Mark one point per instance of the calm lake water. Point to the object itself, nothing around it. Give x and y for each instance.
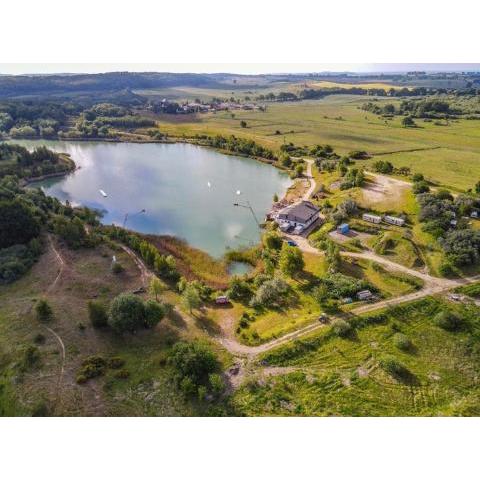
(186, 191)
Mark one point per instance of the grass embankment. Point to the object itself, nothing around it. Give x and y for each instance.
(329, 375)
(192, 263)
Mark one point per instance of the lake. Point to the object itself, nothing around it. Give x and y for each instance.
(186, 191)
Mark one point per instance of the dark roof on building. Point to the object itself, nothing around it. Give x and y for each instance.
(300, 212)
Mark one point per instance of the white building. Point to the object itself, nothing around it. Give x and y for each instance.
(301, 215)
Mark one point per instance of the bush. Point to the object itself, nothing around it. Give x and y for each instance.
(31, 357)
(216, 383)
(395, 368)
(93, 366)
(448, 321)
(239, 289)
(341, 328)
(122, 374)
(402, 342)
(420, 187)
(117, 268)
(39, 338)
(154, 312)
(98, 314)
(271, 293)
(127, 313)
(115, 362)
(43, 311)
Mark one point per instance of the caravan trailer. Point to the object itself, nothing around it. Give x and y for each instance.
(368, 217)
(394, 220)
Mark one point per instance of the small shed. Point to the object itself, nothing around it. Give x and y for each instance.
(365, 295)
(344, 228)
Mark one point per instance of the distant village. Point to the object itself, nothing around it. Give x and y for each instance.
(197, 106)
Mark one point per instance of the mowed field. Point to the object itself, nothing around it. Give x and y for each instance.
(327, 84)
(446, 154)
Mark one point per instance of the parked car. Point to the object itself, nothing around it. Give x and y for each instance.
(292, 243)
(222, 300)
(323, 318)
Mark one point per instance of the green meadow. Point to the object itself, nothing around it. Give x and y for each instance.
(446, 153)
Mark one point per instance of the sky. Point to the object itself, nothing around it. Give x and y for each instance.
(240, 68)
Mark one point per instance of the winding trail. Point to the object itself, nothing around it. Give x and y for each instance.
(57, 337)
(58, 387)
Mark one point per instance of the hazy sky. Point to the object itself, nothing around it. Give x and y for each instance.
(245, 68)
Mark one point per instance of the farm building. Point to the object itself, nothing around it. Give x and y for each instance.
(394, 220)
(344, 228)
(368, 217)
(301, 214)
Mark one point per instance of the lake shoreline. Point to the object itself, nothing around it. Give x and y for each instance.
(147, 141)
(258, 188)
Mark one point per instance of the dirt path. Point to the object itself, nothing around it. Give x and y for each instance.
(62, 266)
(313, 184)
(62, 367)
(61, 262)
(145, 273)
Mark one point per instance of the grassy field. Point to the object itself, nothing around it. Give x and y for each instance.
(445, 154)
(328, 375)
(367, 85)
(149, 388)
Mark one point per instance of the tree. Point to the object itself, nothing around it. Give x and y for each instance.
(18, 224)
(156, 287)
(383, 166)
(299, 170)
(408, 122)
(477, 187)
(291, 260)
(243, 124)
(332, 257)
(272, 240)
(71, 230)
(43, 310)
(98, 314)
(239, 289)
(154, 312)
(127, 313)
(191, 297)
(193, 364)
(271, 293)
(275, 197)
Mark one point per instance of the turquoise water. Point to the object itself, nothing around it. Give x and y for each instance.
(239, 268)
(186, 191)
